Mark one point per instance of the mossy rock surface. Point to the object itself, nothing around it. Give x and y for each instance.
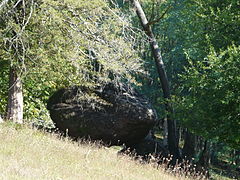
(112, 113)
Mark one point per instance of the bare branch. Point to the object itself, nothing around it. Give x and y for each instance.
(3, 3)
(161, 17)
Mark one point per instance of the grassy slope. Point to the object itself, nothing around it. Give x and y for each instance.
(30, 154)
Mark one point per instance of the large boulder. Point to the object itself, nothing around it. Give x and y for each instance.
(115, 114)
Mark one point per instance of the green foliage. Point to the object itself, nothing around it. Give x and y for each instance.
(212, 104)
(3, 90)
(202, 32)
(62, 43)
(209, 96)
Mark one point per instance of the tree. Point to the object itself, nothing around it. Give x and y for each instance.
(20, 14)
(209, 83)
(15, 98)
(188, 150)
(172, 137)
(63, 44)
(213, 97)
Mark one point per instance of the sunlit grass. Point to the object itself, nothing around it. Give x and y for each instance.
(29, 154)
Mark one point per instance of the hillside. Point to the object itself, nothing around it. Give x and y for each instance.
(29, 154)
(116, 71)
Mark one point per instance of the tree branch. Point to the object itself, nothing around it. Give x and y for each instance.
(3, 3)
(161, 17)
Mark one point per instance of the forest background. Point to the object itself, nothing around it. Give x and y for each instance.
(46, 45)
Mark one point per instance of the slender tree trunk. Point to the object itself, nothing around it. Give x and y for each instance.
(15, 98)
(205, 156)
(237, 160)
(1, 119)
(172, 137)
(189, 145)
(165, 132)
(213, 155)
(179, 134)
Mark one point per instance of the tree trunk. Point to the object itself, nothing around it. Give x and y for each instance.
(189, 146)
(237, 160)
(179, 134)
(172, 137)
(165, 133)
(15, 98)
(213, 154)
(1, 119)
(205, 156)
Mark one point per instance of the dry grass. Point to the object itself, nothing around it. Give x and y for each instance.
(30, 154)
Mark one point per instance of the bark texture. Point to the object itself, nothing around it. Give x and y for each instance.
(165, 132)
(15, 98)
(189, 145)
(204, 159)
(172, 137)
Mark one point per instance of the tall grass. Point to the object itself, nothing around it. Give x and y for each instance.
(29, 154)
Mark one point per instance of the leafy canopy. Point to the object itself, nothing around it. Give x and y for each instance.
(61, 43)
(213, 99)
